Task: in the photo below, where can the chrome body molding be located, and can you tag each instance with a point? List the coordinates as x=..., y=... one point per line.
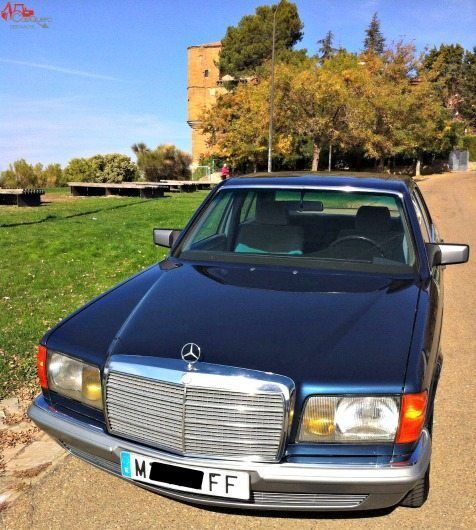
x=379, y=486
x=246, y=412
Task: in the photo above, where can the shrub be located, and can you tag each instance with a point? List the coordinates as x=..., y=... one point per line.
x=102, y=168
x=79, y=170
x=114, y=168
x=54, y=176
x=166, y=162
x=469, y=143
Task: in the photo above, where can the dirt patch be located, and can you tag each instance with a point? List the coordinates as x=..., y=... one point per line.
x=25, y=452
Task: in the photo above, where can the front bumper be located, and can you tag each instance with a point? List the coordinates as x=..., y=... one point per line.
x=285, y=486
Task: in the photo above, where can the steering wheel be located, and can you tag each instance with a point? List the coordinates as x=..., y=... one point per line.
x=365, y=239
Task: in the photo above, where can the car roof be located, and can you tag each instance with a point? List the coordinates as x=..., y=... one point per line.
x=388, y=183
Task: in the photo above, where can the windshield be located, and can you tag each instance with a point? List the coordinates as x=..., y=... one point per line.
x=309, y=227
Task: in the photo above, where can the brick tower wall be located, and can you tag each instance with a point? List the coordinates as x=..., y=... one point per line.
x=202, y=90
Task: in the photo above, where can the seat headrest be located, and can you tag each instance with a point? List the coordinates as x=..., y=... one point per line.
x=373, y=219
x=269, y=211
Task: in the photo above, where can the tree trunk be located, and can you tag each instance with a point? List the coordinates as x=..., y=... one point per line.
x=315, y=157
x=418, y=167
x=330, y=157
x=255, y=167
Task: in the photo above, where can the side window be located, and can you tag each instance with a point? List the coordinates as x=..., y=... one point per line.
x=216, y=222
x=248, y=209
x=424, y=207
x=426, y=215
x=422, y=221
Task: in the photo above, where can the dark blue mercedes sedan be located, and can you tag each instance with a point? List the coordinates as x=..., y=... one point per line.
x=285, y=355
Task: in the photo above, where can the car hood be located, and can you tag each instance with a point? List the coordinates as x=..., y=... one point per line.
x=328, y=331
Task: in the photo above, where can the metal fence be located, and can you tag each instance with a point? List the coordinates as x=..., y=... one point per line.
x=459, y=160
x=200, y=172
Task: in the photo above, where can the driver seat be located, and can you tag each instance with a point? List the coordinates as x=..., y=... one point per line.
x=375, y=223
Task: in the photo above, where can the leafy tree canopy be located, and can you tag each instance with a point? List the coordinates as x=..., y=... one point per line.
x=20, y=174
x=371, y=103
x=453, y=72
x=54, y=176
x=247, y=46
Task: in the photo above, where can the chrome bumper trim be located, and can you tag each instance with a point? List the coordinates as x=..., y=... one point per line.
x=384, y=485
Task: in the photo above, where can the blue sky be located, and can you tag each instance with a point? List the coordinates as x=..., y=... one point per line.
x=106, y=74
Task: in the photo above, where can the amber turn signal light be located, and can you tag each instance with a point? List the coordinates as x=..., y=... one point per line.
x=41, y=366
x=412, y=417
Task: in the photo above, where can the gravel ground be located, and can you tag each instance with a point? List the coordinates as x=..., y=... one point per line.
x=76, y=495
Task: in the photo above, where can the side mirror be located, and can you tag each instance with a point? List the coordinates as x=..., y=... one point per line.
x=446, y=254
x=165, y=237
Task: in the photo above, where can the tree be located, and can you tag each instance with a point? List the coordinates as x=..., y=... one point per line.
x=80, y=170
x=20, y=174
x=326, y=50
x=53, y=176
x=39, y=177
x=326, y=106
x=374, y=41
x=407, y=118
x=139, y=148
x=453, y=72
x=371, y=104
x=247, y=46
x=468, y=89
x=237, y=126
x=165, y=162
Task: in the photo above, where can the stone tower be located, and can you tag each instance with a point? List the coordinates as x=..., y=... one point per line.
x=202, y=90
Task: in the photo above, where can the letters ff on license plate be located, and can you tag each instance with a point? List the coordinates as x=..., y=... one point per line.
x=216, y=482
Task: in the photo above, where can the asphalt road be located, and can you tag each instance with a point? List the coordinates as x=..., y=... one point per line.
x=75, y=495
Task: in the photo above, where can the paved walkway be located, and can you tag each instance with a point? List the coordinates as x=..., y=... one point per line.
x=76, y=495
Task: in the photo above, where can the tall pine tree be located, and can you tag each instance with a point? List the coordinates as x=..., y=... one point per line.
x=326, y=50
x=248, y=45
x=374, y=41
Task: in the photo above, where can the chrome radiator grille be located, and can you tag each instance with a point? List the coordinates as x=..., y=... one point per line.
x=194, y=420
x=145, y=409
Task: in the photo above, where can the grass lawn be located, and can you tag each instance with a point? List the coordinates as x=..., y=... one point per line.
x=56, y=257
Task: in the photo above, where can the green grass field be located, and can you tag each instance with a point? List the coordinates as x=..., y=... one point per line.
x=56, y=257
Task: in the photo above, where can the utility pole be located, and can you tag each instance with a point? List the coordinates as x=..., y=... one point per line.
x=271, y=96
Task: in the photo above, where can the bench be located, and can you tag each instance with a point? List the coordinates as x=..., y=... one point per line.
x=146, y=190
x=21, y=196
x=129, y=189
x=184, y=185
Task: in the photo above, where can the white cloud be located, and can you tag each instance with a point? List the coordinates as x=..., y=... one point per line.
x=59, y=69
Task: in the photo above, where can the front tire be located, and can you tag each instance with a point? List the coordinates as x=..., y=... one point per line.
x=418, y=495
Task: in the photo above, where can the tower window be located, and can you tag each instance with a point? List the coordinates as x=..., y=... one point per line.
x=205, y=73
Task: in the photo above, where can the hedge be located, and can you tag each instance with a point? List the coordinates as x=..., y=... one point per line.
x=469, y=143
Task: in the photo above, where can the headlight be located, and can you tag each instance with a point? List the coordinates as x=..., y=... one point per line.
x=329, y=419
x=75, y=379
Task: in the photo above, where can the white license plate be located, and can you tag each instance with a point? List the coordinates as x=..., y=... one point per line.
x=216, y=482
